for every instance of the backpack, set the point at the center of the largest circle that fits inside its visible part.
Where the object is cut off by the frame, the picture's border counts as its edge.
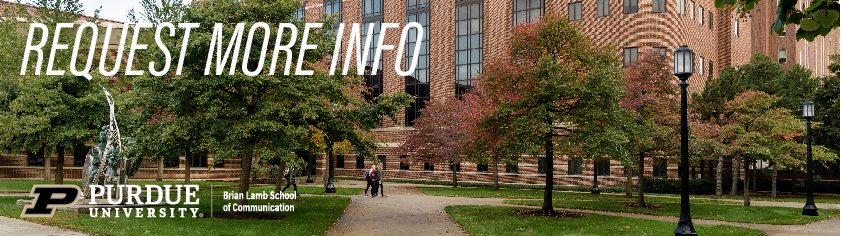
(367, 175)
(373, 175)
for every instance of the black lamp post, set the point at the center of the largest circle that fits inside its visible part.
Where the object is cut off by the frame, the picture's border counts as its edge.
(309, 168)
(808, 112)
(330, 188)
(595, 189)
(684, 65)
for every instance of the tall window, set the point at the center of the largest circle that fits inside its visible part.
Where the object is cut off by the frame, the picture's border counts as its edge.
(415, 4)
(198, 160)
(602, 8)
(468, 43)
(481, 168)
(512, 168)
(710, 67)
(661, 50)
(428, 167)
(574, 11)
(574, 167)
(658, 5)
(603, 168)
(334, 7)
(373, 79)
(300, 13)
(629, 55)
(340, 161)
(784, 32)
(541, 165)
(360, 162)
(629, 6)
(736, 27)
(527, 10)
(710, 19)
(660, 168)
(692, 10)
(701, 66)
(781, 56)
(381, 159)
(417, 84)
(681, 7)
(701, 15)
(371, 8)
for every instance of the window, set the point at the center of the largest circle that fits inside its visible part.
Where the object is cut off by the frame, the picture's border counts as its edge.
(332, 7)
(681, 7)
(381, 159)
(417, 84)
(428, 167)
(35, 159)
(468, 45)
(634, 172)
(371, 8)
(784, 32)
(710, 20)
(415, 4)
(781, 55)
(574, 167)
(659, 168)
(701, 15)
(300, 14)
(603, 168)
(629, 6)
(701, 66)
(630, 55)
(481, 168)
(710, 67)
(79, 155)
(512, 168)
(373, 79)
(541, 165)
(219, 164)
(602, 8)
(658, 5)
(661, 50)
(360, 162)
(574, 11)
(171, 162)
(692, 10)
(527, 10)
(457, 166)
(198, 160)
(340, 161)
(736, 27)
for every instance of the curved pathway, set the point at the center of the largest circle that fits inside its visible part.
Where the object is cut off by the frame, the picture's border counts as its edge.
(407, 210)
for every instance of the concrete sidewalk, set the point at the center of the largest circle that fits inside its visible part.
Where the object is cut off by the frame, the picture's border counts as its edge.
(10, 226)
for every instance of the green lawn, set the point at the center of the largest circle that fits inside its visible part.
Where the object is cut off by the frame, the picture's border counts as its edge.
(27, 184)
(312, 216)
(538, 194)
(494, 220)
(753, 214)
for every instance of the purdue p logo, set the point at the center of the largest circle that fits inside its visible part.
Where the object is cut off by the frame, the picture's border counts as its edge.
(47, 197)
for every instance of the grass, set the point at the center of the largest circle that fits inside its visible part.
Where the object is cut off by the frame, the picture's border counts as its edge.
(538, 194)
(27, 184)
(312, 216)
(753, 214)
(495, 220)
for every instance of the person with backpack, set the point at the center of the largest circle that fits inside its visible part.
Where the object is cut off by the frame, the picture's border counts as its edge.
(378, 180)
(373, 176)
(289, 174)
(367, 178)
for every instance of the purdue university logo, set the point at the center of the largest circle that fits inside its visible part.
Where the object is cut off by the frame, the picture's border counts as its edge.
(48, 197)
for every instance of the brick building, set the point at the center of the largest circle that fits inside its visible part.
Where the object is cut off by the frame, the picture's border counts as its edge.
(461, 34)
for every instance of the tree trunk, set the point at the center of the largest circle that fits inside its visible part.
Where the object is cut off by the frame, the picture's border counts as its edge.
(496, 174)
(794, 181)
(753, 178)
(278, 182)
(774, 181)
(47, 165)
(718, 167)
(160, 175)
(245, 175)
(550, 156)
(455, 178)
(640, 186)
(746, 186)
(59, 168)
(735, 174)
(188, 161)
(629, 182)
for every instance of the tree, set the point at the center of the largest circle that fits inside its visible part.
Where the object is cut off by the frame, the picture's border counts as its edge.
(652, 107)
(50, 113)
(818, 18)
(827, 110)
(554, 84)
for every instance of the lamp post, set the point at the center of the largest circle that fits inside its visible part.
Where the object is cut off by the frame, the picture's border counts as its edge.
(808, 112)
(684, 65)
(595, 189)
(330, 188)
(309, 168)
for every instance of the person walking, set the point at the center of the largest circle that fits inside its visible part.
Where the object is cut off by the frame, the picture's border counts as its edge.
(374, 176)
(367, 178)
(378, 183)
(289, 174)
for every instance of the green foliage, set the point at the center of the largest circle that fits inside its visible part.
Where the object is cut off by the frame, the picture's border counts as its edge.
(827, 109)
(816, 19)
